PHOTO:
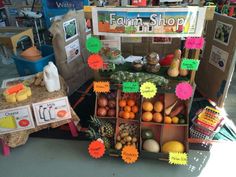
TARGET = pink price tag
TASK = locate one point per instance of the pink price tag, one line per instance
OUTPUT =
(194, 43)
(184, 91)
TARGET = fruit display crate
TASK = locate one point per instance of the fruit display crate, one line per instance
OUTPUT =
(147, 124)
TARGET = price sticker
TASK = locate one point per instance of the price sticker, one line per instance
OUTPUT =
(148, 90)
(184, 91)
(189, 64)
(177, 158)
(194, 43)
(95, 61)
(96, 149)
(129, 154)
(100, 87)
(93, 45)
(130, 87)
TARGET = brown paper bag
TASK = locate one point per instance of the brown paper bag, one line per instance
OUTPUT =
(69, 36)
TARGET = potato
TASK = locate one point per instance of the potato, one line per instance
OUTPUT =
(118, 146)
(128, 138)
(124, 135)
(118, 138)
(134, 140)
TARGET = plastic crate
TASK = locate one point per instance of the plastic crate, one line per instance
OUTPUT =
(26, 67)
(201, 131)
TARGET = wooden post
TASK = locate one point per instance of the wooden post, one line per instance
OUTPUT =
(193, 73)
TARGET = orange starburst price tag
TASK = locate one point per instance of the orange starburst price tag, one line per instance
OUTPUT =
(129, 154)
(96, 149)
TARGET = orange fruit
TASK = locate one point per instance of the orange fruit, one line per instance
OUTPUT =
(122, 103)
(126, 115)
(127, 108)
(157, 117)
(147, 116)
(131, 115)
(130, 102)
(167, 120)
(147, 106)
(134, 109)
(121, 113)
(175, 120)
(158, 106)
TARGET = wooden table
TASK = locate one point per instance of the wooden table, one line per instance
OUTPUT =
(38, 94)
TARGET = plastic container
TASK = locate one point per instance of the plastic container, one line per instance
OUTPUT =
(51, 77)
(26, 67)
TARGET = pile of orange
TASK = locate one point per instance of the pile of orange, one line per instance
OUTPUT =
(152, 112)
(169, 120)
(128, 109)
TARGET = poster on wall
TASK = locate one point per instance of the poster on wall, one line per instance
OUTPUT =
(52, 111)
(222, 32)
(149, 22)
(161, 40)
(16, 119)
(218, 58)
(70, 29)
(72, 50)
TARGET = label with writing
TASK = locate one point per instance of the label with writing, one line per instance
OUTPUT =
(178, 158)
(194, 43)
(16, 119)
(130, 87)
(95, 61)
(184, 90)
(189, 64)
(96, 149)
(148, 90)
(93, 45)
(129, 154)
(101, 87)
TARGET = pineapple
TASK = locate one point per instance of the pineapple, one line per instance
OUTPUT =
(92, 134)
(107, 142)
(105, 128)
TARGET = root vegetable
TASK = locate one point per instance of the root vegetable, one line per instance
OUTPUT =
(118, 146)
(101, 112)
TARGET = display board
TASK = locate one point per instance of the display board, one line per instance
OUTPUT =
(149, 22)
(218, 62)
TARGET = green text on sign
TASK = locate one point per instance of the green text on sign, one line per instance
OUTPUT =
(130, 87)
(189, 64)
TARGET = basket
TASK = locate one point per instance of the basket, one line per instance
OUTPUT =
(203, 131)
(26, 67)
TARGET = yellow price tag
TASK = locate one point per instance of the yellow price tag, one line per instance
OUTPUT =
(178, 158)
(148, 90)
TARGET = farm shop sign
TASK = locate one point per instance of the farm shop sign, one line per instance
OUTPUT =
(153, 22)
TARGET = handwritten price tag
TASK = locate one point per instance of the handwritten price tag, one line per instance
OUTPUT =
(95, 61)
(101, 87)
(184, 91)
(189, 64)
(96, 149)
(194, 43)
(178, 158)
(148, 90)
(129, 154)
(93, 45)
(130, 87)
